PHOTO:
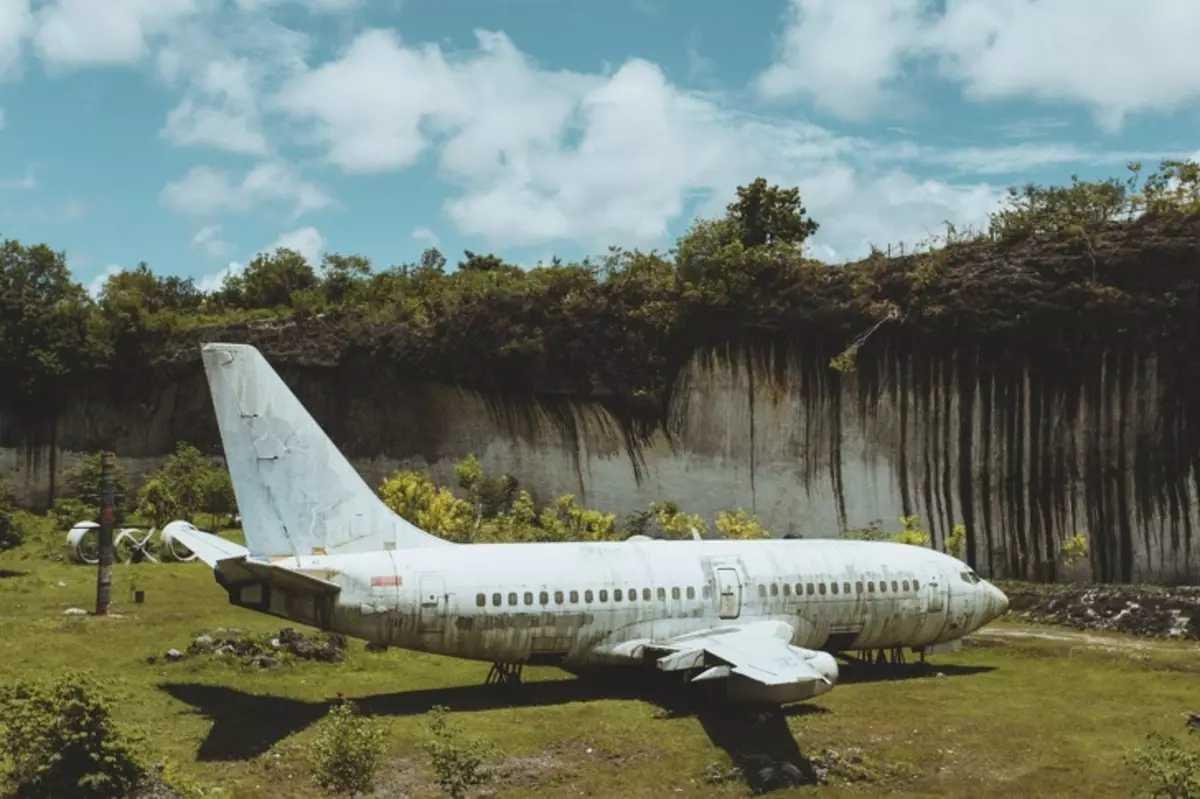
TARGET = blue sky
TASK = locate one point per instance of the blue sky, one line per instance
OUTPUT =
(192, 134)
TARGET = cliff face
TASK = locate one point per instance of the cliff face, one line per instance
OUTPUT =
(1023, 457)
(1029, 393)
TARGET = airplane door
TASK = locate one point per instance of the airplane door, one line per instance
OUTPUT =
(729, 593)
(433, 603)
(934, 616)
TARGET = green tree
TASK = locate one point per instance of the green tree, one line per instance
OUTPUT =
(347, 751)
(269, 281)
(157, 504)
(83, 483)
(767, 214)
(740, 525)
(187, 475)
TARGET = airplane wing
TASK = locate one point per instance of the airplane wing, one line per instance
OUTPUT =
(208, 547)
(756, 657)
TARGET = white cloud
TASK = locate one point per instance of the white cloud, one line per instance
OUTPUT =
(425, 236)
(209, 241)
(229, 121)
(843, 54)
(81, 33)
(97, 283)
(214, 281)
(542, 157)
(16, 22)
(26, 182)
(207, 192)
(1113, 56)
(307, 241)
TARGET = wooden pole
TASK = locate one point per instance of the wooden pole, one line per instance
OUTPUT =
(107, 517)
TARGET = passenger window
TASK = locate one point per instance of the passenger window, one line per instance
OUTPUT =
(833, 588)
(617, 595)
(574, 597)
(480, 600)
(603, 594)
(544, 598)
(512, 598)
(810, 590)
(821, 588)
(633, 594)
(675, 592)
(871, 586)
(883, 586)
(787, 589)
(528, 597)
(496, 599)
(774, 589)
(846, 587)
(587, 596)
(858, 587)
(905, 584)
(895, 587)
(691, 592)
(916, 585)
(558, 597)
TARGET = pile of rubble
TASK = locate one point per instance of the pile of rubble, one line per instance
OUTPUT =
(262, 651)
(1149, 611)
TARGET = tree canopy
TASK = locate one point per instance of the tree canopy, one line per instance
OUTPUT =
(620, 325)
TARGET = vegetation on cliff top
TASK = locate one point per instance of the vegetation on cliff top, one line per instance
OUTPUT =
(622, 327)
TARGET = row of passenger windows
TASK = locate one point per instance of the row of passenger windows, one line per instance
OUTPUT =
(618, 595)
(822, 589)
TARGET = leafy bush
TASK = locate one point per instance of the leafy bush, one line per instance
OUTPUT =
(67, 512)
(58, 739)
(157, 504)
(1172, 769)
(456, 758)
(11, 534)
(347, 751)
(740, 525)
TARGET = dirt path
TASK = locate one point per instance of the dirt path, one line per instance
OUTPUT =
(1126, 642)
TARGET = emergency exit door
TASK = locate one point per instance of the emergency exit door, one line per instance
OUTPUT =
(729, 593)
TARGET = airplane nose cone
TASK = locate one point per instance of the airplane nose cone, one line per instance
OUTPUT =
(999, 601)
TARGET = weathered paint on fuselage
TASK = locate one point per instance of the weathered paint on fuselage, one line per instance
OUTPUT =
(574, 603)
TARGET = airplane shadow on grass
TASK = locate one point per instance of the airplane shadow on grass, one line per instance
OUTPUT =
(759, 744)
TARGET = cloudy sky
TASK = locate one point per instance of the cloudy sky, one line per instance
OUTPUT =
(194, 133)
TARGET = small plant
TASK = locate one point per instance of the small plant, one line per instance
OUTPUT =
(457, 760)
(740, 525)
(347, 752)
(911, 533)
(58, 739)
(956, 542)
(1074, 549)
(1172, 771)
(11, 533)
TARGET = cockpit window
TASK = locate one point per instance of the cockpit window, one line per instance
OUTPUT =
(969, 577)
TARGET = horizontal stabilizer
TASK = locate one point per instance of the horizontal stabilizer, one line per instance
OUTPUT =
(242, 568)
(208, 547)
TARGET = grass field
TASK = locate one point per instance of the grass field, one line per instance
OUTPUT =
(999, 718)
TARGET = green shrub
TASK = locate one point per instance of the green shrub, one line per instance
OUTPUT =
(1171, 768)
(456, 758)
(11, 534)
(58, 739)
(347, 751)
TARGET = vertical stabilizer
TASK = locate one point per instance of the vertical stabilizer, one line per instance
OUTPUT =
(296, 493)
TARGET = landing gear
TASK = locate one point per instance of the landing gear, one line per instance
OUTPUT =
(504, 674)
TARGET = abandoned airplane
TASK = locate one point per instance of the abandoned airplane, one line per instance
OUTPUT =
(762, 616)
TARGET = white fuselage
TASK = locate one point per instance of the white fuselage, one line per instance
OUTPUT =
(575, 603)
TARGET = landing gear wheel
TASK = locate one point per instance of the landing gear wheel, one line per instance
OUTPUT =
(505, 674)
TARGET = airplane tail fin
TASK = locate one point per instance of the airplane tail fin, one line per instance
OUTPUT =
(296, 493)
